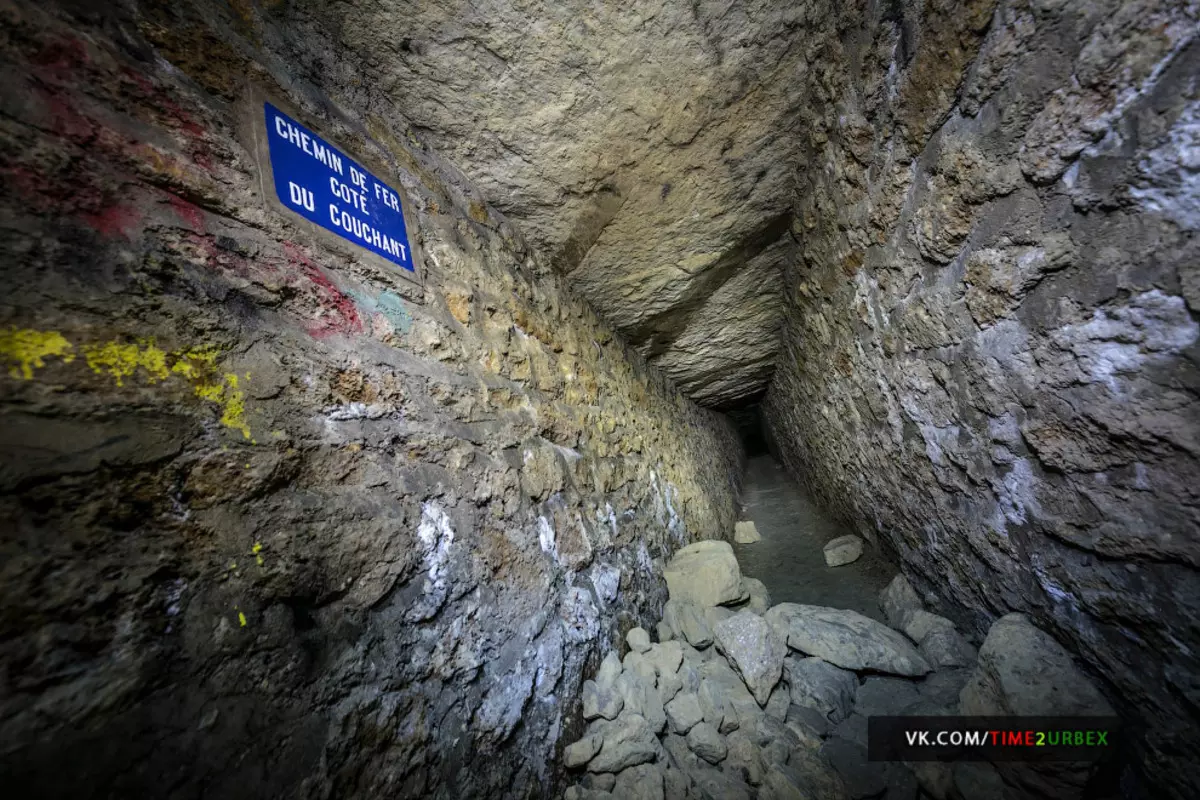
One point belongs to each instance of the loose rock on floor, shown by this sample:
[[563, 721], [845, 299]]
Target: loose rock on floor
[[775, 705], [744, 532], [843, 550]]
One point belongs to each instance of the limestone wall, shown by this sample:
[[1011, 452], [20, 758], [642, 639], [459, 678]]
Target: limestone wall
[[990, 354], [276, 522]]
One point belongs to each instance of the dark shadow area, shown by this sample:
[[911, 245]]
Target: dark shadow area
[[748, 421]]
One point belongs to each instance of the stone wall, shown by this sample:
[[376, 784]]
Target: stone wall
[[275, 521], [990, 352]]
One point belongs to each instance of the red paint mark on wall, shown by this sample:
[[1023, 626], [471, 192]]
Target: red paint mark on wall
[[190, 213], [79, 199], [336, 313], [205, 248], [113, 220], [164, 101]]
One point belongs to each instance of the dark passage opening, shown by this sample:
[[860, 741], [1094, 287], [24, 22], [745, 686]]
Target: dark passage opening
[[790, 558], [748, 421]]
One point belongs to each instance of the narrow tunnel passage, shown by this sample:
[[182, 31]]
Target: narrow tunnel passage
[[370, 377], [790, 559]]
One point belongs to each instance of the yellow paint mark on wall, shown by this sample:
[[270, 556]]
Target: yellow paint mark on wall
[[120, 360], [193, 363], [231, 400], [26, 350]]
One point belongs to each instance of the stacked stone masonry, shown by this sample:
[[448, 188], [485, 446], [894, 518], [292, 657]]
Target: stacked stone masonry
[[277, 523]]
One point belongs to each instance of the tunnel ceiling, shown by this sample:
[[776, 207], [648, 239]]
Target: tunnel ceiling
[[645, 148]]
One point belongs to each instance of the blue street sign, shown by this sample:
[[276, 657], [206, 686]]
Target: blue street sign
[[323, 185]]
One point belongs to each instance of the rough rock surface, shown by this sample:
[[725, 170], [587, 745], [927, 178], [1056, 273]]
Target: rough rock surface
[[981, 781], [743, 758], [666, 657], [687, 621], [754, 650], [627, 741], [638, 639], [817, 684], [278, 523], [846, 638], [579, 753], [1023, 671], [727, 707], [898, 600], [880, 696], [601, 701], [645, 147], [863, 778], [704, 740], [705, 574], [641, 697], [643, 782], [938, 640], [973, 223], [843, 550], [744, 532], [758, 597], [720, 742], [724, 697], [715, 615], [684, 711], [989, 357]]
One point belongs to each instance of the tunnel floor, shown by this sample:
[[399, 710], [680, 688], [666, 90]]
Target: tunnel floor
[[789, 559]]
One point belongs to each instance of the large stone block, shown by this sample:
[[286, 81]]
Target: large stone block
[[1023, 671], [847, 639], [842, 550], [817, 684], [705, 573], [754, 650]]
